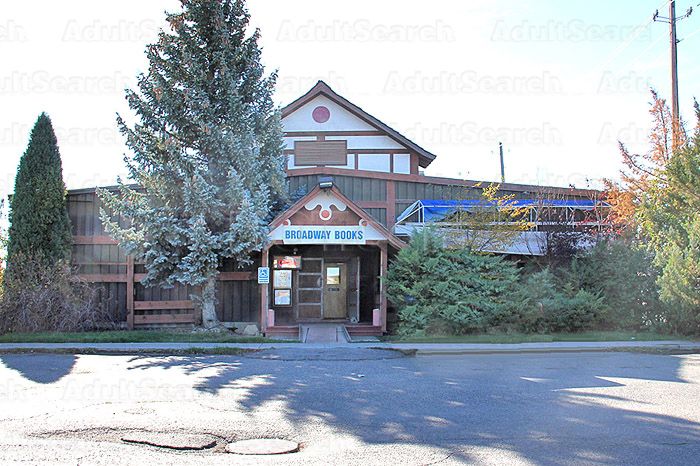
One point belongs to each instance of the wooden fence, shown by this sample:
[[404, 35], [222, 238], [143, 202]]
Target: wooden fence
[[118, 279]]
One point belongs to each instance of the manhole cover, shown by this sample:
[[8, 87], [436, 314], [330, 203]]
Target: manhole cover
[[262, 446]]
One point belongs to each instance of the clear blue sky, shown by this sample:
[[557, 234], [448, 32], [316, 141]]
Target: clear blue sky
[[558, 82]]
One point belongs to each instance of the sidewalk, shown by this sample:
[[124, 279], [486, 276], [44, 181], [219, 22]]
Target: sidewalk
[[417, 348]]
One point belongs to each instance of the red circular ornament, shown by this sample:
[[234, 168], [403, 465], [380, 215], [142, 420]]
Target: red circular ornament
[[325, 214], [321, 114]]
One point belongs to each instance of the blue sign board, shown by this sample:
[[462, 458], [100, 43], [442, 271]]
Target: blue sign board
[[263, 275]]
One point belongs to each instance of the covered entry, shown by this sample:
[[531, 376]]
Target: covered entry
[[326, 259], [328, 283]]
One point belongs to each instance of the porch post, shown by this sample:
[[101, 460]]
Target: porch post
[[264, 262], [130, 292], [383, 265]]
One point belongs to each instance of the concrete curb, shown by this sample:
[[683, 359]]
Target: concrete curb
[[423, 349], [553, 347]]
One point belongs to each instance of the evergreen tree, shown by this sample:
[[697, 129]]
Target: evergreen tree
[[671, 225], [207, 151], [445, 290], [39, 222], [3, 246]]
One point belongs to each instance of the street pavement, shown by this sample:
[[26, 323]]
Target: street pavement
[[328, 342], [354, 405]]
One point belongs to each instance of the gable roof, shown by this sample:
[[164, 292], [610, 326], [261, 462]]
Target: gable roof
[[321, 88], [297, 206]]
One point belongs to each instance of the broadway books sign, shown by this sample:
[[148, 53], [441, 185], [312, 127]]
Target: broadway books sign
[[324, 235]]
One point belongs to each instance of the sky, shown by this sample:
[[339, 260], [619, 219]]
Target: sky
[[559, 83]]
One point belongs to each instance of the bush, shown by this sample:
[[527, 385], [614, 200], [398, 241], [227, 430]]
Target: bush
[[540, 304], [621, 273], [447, 291], [39, 297], [437, 290]]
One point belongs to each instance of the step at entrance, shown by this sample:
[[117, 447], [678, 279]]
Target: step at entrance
[[324, 333]]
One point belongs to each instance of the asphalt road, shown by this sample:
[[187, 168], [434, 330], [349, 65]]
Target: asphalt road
[[355, 406]]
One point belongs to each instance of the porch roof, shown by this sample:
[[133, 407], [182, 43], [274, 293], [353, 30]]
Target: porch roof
[[361, 213]]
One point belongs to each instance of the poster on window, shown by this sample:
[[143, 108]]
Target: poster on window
[[283, 297], [286, 262], [283, 279]]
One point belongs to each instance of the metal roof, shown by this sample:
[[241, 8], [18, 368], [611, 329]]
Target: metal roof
[[436, 209]]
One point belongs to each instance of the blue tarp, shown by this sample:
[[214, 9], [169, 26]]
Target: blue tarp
[[435, 210]]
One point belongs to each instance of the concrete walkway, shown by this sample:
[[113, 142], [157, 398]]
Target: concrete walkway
[[323, 334], [418, 348]]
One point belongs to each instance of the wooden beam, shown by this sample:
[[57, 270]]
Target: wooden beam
[[264, 262], [103, 277], [97, 239], [235, 276], [292, 134], [383, 267], [144, 319], [416, 178], [161, 305], [391, 204], [415, 164], [358, 151], [100, 263], [130, 292], [137, 277]]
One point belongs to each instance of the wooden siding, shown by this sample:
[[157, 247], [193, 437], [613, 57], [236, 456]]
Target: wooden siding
[[375, 195], [357, 189], [99, 260], [379, 214]]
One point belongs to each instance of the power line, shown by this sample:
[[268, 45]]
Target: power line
[[672, 19], [637, 31]]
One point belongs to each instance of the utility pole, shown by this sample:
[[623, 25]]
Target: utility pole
[[503, 169], [672, 19], [674, 60]]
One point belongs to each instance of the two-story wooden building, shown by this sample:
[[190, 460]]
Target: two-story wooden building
[[353, 176]]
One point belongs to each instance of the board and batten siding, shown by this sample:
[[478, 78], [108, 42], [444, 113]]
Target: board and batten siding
[[100, 261], [373, 195]]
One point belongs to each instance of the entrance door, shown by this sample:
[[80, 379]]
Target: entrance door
[[335, 288]]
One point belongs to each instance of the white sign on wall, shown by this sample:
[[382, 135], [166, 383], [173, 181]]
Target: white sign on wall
[[292, 234]]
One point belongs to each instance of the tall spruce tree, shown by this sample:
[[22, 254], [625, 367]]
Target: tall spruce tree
[[39, 222], [207, 151]]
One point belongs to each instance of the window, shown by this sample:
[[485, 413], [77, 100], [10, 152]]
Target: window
[[402, 163], [333, 276], [373, 162]]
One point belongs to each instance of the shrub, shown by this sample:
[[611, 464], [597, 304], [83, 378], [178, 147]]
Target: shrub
[[540, 304], [621, 273], [573, 311], [438, 290], [42, 297]]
